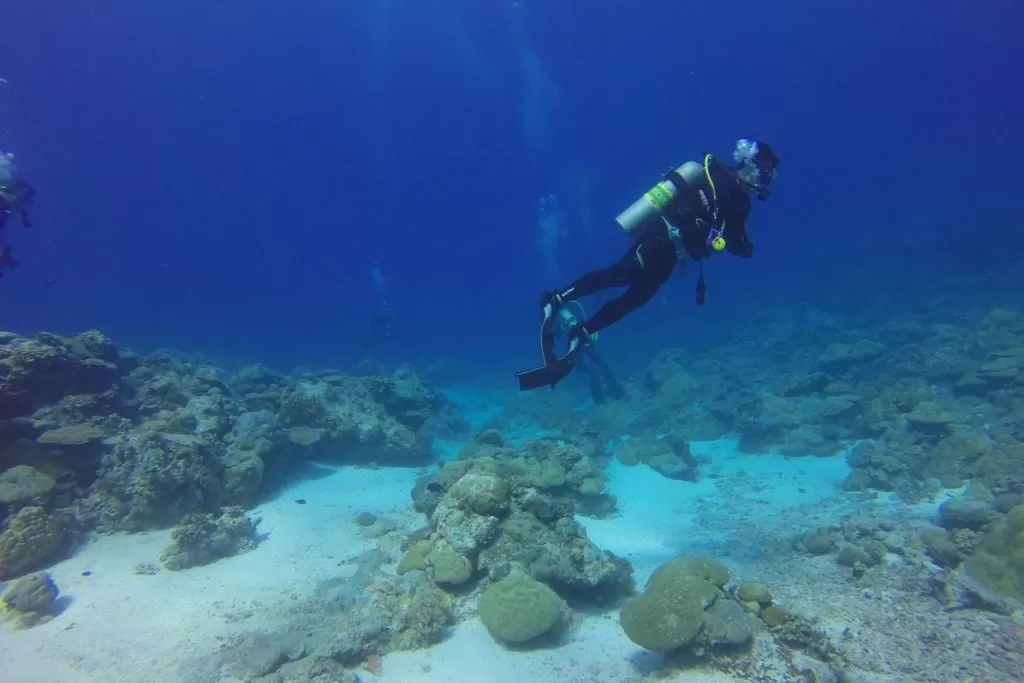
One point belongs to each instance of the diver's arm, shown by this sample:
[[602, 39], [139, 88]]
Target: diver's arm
[[736, 239], [739, 244]]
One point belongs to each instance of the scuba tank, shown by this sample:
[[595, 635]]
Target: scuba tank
[[654, 201]]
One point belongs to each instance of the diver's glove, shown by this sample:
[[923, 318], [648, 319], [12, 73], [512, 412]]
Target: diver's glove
[[741, 247]]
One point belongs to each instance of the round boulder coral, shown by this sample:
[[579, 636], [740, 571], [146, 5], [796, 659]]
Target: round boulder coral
[[449, 565], [34, 593], [32, 538], [519, 609], [685, 567], [663, 621]]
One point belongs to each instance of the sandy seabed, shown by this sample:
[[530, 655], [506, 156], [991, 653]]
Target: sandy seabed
[[120, 626]]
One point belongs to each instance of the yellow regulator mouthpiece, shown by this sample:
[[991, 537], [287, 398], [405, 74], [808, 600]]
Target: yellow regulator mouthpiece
[[718, 244]]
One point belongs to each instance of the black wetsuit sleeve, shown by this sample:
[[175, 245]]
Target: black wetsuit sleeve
[[741, 245], [736, 239]]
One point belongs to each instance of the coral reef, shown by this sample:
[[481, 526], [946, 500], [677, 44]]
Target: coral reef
[[519, 609], [683, 600], [356, 620], [669, 456], [97, 438], [202, 538], [492, 518], [43, 370], [32, 538], [115, 441], [691, 612], [31, 599], [924, 404], [998, 561], [571, 471]]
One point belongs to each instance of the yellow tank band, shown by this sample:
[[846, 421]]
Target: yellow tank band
[[661, 194]]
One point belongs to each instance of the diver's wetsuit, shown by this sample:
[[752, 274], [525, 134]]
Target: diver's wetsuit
[[654, 252]]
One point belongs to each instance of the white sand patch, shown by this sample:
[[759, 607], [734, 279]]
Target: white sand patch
[[123, 627], [596, 651], [661, 518]]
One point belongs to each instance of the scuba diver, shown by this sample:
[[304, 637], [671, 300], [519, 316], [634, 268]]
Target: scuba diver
[[698, 209], [603, 383], [382, 323], [16, 196], [382, 326]]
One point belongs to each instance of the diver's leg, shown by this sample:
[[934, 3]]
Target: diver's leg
[[655, 260], [619, 307], [618, 275]]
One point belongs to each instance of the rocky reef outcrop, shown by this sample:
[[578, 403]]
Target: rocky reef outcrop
[[97, 437], [489, 519]]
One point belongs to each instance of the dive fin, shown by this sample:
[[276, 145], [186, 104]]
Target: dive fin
[[555, 368], [544, 376]]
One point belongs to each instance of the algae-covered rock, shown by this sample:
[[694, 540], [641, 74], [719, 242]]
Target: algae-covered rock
[[203, 538], [560, 555], [416, 557], [31, 594], [519, 609], [32, 538], [998, 563], [688, 567], [967, 512], [840, 357], [671, 611], [22, 483], [850, 555], [727, 623], [817, 542], [940, 546], [484, 494], [302, 435], [71, 435], [774, 615], [672, 466], [754, 592], [929, 419], [391, 613], [449, 566]]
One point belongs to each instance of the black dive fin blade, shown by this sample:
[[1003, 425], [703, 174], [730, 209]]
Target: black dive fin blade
[[544, 376]]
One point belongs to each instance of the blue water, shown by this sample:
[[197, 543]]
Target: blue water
[[238, 182], [219, 177]]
